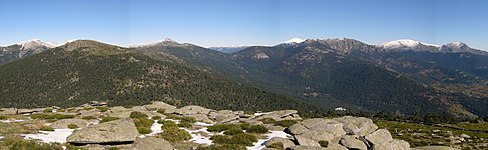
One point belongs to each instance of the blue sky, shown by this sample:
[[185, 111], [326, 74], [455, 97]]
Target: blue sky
[[244, 22]]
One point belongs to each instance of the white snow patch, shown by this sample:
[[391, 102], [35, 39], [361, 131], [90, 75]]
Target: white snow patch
[[1, 137], [58, 135], [196, 137], [261, 113], [8, 121], [260, 144], [204, 124], [456, 44], [155, 128], [294, 40], [340, 109]]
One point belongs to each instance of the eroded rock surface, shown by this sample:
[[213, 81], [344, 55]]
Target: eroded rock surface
[[117, 131]]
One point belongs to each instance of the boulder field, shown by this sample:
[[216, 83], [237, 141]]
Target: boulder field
[[97, 126]]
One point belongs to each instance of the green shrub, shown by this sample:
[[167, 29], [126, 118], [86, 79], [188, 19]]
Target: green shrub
[[222, 139], [285, 123], [233, 131], [3, 118], [238, 139], [20, 144], [48, 110], [88, 117], [277, 145], [88, 108], [143, 122], [167, 124], [156, 118], [185, 124], [38, 116], [136, 114], [222, 127], [108, 118], [172, 116], [243, 139], [161, 111], [188, 119], [102, 109], [144, 130], [324, 143], [53, 116], [245, 126], [257, 129], [72, 126], [47, 128], [59, 116], [175, 134], [113, 148], [268, 120]]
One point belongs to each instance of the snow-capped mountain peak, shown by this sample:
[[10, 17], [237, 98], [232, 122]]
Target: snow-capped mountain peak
[[168, 40], [456, 44], [404, 43], [33, 43], [400, 43], [295, 40]]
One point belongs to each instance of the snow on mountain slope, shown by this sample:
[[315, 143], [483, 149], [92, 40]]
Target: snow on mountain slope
[[405, 43], [164, 41], [34, 43], [295, 40], [456, 44]]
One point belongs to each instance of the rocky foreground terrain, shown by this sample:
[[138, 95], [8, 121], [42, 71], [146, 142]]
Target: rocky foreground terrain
[[160, 126]]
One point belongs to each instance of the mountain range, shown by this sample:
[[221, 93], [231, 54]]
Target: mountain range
[[402, 77]]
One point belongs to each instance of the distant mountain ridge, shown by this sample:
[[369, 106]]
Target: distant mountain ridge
[[323, 71], [398, 77], [83, 70], [397, 45], [23, 49]]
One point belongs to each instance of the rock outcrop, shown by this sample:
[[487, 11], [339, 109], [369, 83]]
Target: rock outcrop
[[117, 131], [281, 115], [63, 124], [192, 110], [285, 142], [310, 134], [357, 125], [344, 133], [434, 148], [379, 136], [160, 105], [9, 111], [353, 143], [152, 143]]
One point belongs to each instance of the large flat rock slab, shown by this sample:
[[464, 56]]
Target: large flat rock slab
[[117, 131]]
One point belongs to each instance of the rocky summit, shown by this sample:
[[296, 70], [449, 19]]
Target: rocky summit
[[160, 126]]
